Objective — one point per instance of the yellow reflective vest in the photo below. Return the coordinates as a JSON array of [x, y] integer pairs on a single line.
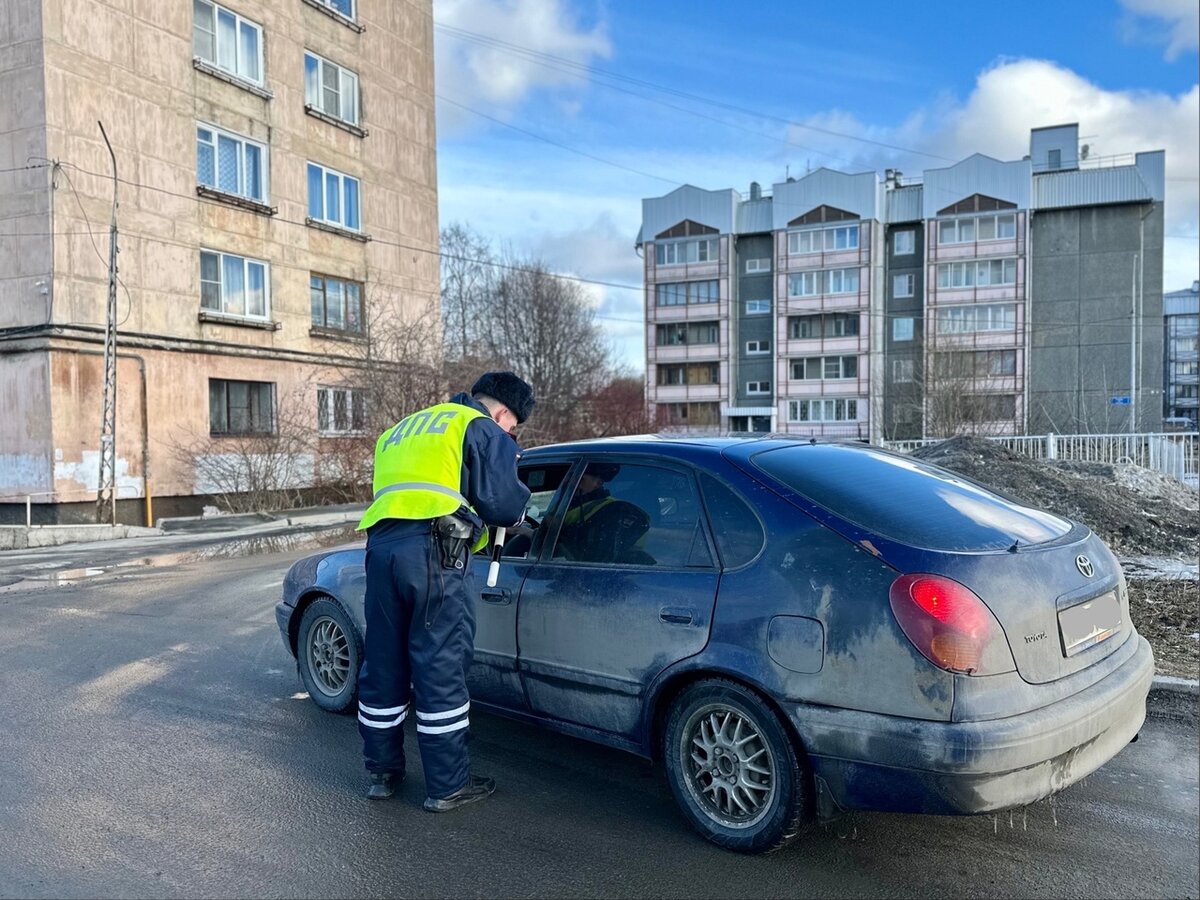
[[418, 466]]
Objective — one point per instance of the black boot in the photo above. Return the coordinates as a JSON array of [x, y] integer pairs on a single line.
[[477, 788], [383, 785]]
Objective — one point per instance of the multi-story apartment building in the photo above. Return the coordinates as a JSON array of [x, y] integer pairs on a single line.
[[985, 296], [1181, 357], [277, 200]]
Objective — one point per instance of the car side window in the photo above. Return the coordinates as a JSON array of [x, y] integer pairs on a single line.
[[633, 514], [738, 532], [543, 481]]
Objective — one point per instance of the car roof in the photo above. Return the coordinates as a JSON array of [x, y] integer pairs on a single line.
[[682, 445]]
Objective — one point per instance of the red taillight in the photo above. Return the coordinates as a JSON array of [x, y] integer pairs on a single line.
[[951, 626]]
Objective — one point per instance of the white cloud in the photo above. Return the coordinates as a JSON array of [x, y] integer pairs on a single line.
[[1175, 23], [495, 78], [1014, 96]]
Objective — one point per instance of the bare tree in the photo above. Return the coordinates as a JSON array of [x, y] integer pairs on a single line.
[[545, 328], [619, 407], [266, 463], [469, 276], [956, 396]]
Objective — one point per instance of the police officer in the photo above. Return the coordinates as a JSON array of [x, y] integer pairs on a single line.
[[440, 475], [591, 496]]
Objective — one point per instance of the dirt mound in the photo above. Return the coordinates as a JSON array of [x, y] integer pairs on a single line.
[[1142, 521]]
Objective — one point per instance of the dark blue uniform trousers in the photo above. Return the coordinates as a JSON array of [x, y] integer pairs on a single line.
[[419, 642]]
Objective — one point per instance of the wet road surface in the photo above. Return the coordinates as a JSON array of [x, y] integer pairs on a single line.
[[156, 743]]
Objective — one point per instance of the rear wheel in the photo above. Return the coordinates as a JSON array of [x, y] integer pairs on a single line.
[[328, 654], [733, 768]]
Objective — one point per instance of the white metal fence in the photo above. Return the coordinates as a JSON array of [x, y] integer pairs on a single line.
[[1176, 454]]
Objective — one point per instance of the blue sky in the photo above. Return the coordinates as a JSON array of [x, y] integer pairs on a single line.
[[556, 117]]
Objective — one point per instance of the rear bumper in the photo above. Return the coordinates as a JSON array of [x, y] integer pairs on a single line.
[[871, 761]]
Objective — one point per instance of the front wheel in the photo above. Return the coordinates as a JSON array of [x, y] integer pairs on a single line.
[[328, 654], [733, 768]]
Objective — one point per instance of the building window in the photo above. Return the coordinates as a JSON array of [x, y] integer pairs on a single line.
[[336, 304], [758, 387], [691, 251], [330, 88], [231, 163], [822, 410], [679, 293], [977, 228], [842, 237], [824, 368], [757, 265], [902, 371], [674, 334], [241, 407], [344, 7], [971, 319], [688, 414], [976, 363], [692, 373], [757, 307], [1054, 159], [902, 329], [831, 281], [757, 348], [904, 243], [902, 285], [997, 407], [982, 273], [226, 40], [234, 285], [333, 197], [341, 410], [830, 325]]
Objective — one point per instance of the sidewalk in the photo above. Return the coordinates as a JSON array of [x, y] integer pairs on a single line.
[[19, 537]]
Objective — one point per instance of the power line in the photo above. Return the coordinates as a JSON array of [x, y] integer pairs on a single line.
[[536, 55], [1028, 328], [547, 140]]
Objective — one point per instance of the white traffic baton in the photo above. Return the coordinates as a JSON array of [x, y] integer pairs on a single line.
[[494, 567]]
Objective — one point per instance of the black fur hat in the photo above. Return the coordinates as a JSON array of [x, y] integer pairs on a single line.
[[509, 390]]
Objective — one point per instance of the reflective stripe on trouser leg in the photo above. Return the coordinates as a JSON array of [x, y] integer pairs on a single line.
[[383, 682], [440, 657]]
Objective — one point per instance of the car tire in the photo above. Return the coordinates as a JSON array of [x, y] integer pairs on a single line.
[[734, 769], [328, 654]]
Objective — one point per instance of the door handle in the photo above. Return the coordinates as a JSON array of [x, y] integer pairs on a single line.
[[676, 615], [501, 596]]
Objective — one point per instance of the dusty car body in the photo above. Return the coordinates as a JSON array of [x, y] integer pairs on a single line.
[[894, 636]]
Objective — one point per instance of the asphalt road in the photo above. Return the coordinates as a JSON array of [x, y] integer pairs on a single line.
[[156, 742]]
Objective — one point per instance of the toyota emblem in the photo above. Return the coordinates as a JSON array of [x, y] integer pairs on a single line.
[[1084, 565]]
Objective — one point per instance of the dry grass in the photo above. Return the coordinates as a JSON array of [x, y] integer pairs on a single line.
[[1166, 612]]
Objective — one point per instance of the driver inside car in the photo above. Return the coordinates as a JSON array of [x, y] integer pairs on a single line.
[[597, 527]]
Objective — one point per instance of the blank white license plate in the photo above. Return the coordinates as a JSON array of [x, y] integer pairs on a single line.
[[1086, 624]]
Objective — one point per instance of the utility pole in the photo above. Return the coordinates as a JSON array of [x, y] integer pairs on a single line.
[[106, 488], [1133, 312]]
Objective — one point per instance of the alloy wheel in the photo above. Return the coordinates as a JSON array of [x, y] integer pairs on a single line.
[[328, 656], [729, 766]]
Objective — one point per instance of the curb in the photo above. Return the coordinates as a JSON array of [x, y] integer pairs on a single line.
[[1169, 684]]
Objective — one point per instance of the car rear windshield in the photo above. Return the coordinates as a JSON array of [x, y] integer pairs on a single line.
[[907, 501]]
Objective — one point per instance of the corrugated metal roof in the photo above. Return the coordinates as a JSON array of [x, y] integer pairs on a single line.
[[711, 208], [976, 174], [825, 187], [1090, 187], [1182, 303], [904, 204], [753, 216]]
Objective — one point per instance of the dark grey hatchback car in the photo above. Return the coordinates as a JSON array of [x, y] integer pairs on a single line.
[[792, 628]]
